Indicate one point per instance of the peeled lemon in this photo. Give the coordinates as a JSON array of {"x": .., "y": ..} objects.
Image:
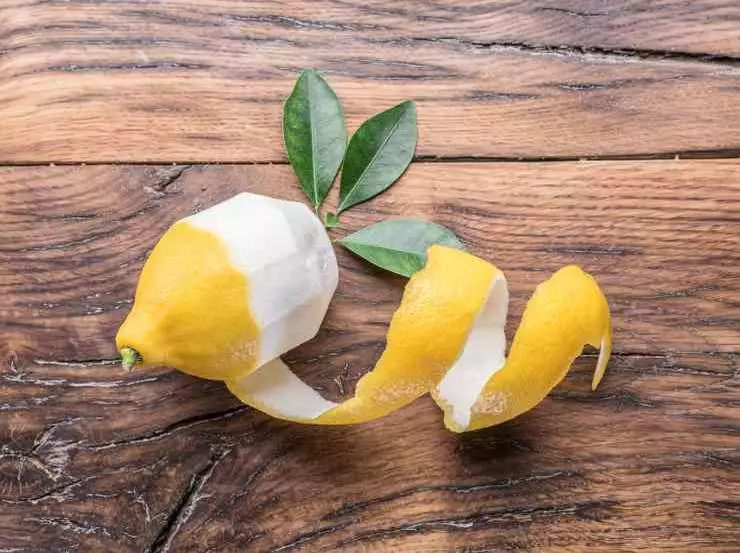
[
  {"x": 227, "y": 291},
  {"x": 231, "y": 288}
]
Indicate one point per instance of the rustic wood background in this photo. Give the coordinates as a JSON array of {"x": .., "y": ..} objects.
[{"x": 559, "y": 132}]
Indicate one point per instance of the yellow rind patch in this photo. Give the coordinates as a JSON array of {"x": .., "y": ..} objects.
[
  {"x": 565, "y": 313},
  {"x": 191, "y": 309}
]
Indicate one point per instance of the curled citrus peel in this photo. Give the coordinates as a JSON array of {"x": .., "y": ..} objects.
[{"x": 446, "y": 338}]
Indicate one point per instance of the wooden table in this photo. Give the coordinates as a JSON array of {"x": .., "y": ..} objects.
[{"x": 599, "y": 133}]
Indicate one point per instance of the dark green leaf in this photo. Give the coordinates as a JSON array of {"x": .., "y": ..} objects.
[
  {"x": 399, "y": 245},
  {"x": 378, "y": 153},
  {"x": 331, "y": 220},
  {"x": 315, "y": 134}
]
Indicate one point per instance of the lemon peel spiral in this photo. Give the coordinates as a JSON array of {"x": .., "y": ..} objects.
[{"x": 446, "y": 338}]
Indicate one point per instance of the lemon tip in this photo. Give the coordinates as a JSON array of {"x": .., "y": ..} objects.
[{"x": 129, "y": 358}]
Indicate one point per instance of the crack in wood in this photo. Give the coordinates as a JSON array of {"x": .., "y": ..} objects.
[
  {"x": 58, "y": 493},
  {"x": 722, "y": 153},
  {"x": 622, "y": 398},
  {"x": 681, "y": 460},
  {"x": 507, "y": 483},
  {"x": 488, "y": 95},
  {"x": 78, "y": 362},
  {"x": 309, "y": 537},
  {"x": 160, "y": 65},
  {"x": 171, "y": 428},
  {"x": 577, "y": 13},
  {"x": 186, "y": 505},
  {"x": 591, "y": 249},
  {"x": 64, "y": 245},
  {"x": 166, "y": 177},
  {"x": 75, "y": 526},
  {"x": 45, "y": 436},
  {"x": 594, "y": 53},
  {"x": 296, "y": 23},
  {"x": 245, "y": 488},
  {"x": 589, "y": 510},
  {"x": 23, "y": 378}
]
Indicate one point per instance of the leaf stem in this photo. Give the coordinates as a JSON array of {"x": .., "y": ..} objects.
[{"x": 331, "y": 221}]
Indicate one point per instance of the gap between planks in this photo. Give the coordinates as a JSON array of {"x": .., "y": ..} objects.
[{"x": 731, "y": 153}]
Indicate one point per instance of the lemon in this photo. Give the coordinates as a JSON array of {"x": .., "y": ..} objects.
[
  {"x": 227, "y": 291},
  {"x": 231, "y": 288}
]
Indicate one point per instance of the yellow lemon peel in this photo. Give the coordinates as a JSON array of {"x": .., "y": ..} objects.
[
  {"x": 170, "y": 321},
  {"x": 446, "y": 337}
]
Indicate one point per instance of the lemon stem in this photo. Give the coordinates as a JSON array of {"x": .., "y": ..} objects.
[{"x": 129, "y": 358}]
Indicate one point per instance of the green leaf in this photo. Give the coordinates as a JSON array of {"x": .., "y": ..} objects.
[
  {"x": 315, "y": 134},
  {"x": 331, "y": 220},
  {"x": 399, "y": 245},
  {"x": 378, "y": 153}
]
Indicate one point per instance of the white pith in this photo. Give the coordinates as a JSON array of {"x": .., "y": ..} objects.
[
  {"x": 284, "y": 251},
  {"x": 483, "y": 355}
]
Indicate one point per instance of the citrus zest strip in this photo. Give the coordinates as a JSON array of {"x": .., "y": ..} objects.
[{"x": 447, "y": 338}]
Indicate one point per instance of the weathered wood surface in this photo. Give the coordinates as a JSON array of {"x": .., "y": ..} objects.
[
  {"x": 93, "y": 459},
  {"x": 662, "y": 236},
  {"x": 97, "y": 461},
  {"x": 204, "y": 81}
]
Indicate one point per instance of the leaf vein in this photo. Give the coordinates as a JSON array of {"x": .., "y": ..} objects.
[{"x": 370, "y": 163}]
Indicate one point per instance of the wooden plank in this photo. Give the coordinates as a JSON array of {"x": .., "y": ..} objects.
[
  {"x": 94, "y": 459},
  {"x": 125, "y": 81},
  {"x": 662, "y": 237},
  {"x": 705, "y": 27},
  {"x": 97, "y": 460}
]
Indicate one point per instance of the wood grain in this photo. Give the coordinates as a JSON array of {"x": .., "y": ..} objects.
[
  {"x": 662, "y": 237},
  {"x": 96, "y": 460},
  {"x": 707, "y": 27},
  {"x": 204, "y": 81},
  {"x": 93, "y": 459}
]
